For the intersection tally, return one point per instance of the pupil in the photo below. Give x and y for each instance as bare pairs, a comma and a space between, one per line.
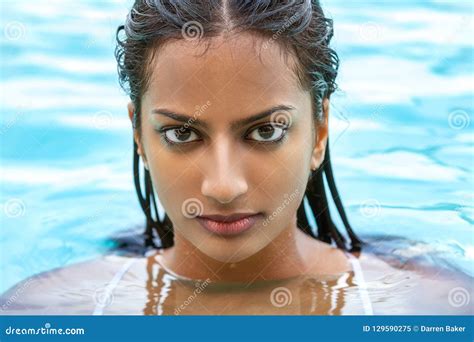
266, 131
182, 134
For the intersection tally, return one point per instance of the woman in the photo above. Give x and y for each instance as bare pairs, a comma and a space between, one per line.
230, 109
231, 123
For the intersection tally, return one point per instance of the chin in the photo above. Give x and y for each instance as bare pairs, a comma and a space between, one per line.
230, 251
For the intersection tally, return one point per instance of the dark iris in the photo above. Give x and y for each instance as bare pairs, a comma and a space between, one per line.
266, 132
182, 134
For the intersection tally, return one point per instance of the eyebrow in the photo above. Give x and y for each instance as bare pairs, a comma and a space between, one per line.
235, 124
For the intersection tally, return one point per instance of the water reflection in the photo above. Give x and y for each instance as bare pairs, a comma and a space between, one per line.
168, 294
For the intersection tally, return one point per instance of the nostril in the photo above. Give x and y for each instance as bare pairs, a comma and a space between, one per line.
224, 192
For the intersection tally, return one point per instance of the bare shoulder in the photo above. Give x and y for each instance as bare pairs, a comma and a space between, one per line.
76, 284
417, 286
445, 285
324, 259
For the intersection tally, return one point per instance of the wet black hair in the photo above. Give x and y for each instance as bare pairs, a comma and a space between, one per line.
300, 27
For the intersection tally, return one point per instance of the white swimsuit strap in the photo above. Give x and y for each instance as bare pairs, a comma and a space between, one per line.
109, 289
361, 284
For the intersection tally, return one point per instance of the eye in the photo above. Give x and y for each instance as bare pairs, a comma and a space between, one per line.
268, 133
180, 135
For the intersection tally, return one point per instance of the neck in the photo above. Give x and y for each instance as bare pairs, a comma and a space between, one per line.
281, 258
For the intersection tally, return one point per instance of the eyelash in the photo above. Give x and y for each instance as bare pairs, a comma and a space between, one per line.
162, 131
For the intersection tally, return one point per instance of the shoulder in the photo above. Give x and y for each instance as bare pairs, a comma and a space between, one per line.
325, 259
54, 290
411, 285
441, 290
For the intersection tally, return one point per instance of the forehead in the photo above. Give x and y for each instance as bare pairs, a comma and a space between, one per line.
239, 72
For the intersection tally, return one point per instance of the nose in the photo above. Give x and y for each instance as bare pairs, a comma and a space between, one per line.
224, 180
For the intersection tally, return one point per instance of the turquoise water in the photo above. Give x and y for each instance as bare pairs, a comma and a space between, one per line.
401, 131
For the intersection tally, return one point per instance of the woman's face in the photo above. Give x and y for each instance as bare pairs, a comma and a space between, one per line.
221, 160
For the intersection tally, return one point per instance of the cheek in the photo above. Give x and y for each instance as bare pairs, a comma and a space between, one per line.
284, 191
288, 168
285, 175
172, 174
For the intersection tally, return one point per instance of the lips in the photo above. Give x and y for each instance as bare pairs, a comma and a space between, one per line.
229, 225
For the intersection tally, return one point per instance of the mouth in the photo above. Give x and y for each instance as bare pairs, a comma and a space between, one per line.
229, 225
